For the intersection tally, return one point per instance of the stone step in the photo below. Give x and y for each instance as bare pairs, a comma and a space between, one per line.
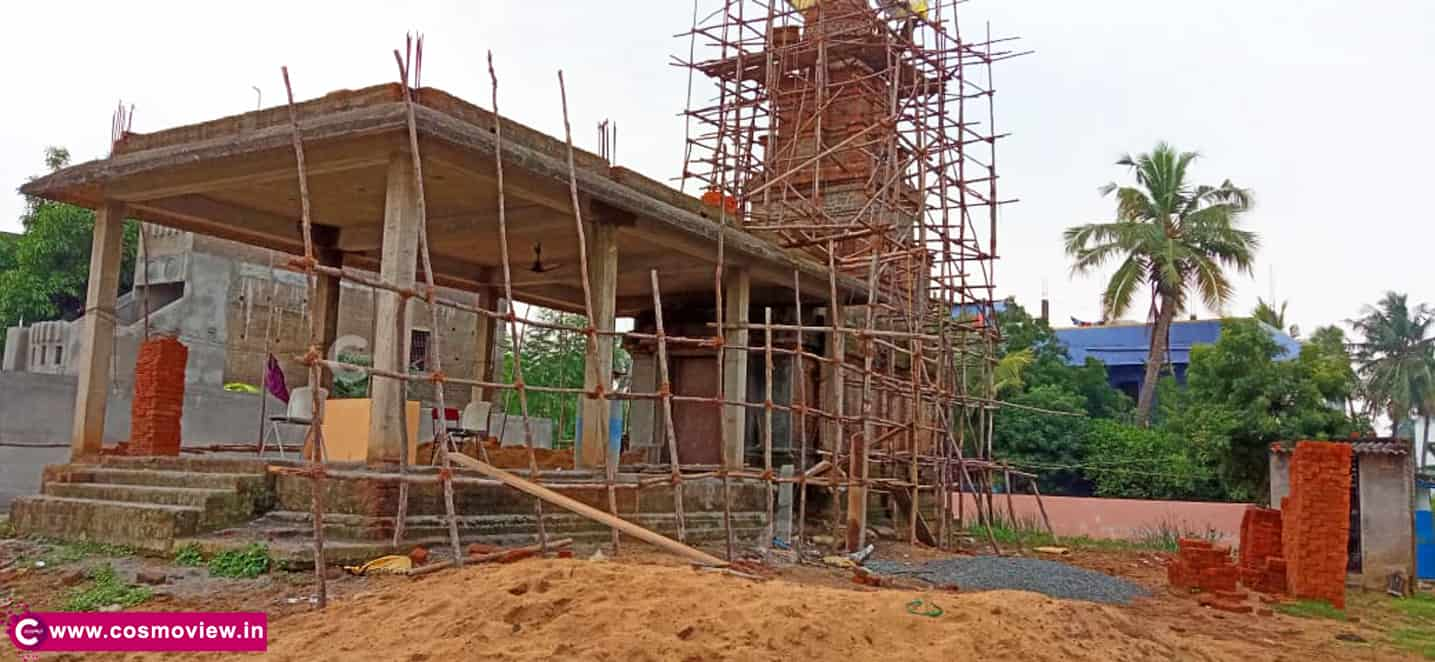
208, 463
155, 478
148, 527
495, 529
221, 507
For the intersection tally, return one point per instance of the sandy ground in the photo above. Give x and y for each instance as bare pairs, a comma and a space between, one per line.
648, 606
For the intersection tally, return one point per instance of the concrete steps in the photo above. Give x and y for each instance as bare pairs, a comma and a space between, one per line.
145, 526
145, 503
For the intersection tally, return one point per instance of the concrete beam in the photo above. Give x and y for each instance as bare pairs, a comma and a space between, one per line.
398, 265
603, 282
522, 220
97, 331
737, 300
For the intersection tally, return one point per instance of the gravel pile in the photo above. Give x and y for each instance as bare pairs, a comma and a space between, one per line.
986, 573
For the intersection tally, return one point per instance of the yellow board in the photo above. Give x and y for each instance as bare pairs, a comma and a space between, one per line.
346, 429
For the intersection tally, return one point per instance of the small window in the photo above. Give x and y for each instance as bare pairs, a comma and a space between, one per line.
418, 350
59, 355
42, 354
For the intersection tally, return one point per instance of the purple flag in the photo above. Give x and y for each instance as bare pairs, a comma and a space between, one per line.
274, 380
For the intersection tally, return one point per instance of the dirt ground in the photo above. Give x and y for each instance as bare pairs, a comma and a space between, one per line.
649, 606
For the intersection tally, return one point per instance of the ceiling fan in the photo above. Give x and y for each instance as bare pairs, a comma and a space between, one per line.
538, 265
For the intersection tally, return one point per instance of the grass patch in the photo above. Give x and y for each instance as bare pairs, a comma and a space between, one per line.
189, 556
1420, 606
1160, 537
105, 589
1418, 636
62, 552
1008, 536
1415, 640
246, 563
7, 530
1310, 609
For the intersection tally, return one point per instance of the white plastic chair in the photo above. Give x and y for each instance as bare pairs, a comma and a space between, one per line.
474, 420
300, 412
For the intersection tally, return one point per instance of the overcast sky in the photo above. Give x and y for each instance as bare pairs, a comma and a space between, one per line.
1323, 108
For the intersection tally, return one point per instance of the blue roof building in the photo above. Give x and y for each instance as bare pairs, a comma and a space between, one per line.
1123, 348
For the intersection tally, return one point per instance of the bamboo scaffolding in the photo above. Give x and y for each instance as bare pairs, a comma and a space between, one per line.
921, 229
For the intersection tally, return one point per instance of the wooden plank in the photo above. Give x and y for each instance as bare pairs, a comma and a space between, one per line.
580, 508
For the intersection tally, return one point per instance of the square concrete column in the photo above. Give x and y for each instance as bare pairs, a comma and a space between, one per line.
97, 331
398, 265
830, 398
737, 299
643, 418
326, 294
603, 283
486, 340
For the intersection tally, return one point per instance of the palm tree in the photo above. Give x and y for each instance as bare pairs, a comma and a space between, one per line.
1395, 358
1170, 237
1268, 314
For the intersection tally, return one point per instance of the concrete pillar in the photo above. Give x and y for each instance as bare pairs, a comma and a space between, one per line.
643, 414
783, 527
603, 283
398, 265
326, 294
487, 333
831, 378
97, 331
17, 349
737, 289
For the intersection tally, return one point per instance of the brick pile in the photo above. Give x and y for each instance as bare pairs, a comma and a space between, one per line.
1263, 567
1317, 521
1203, 566
159, 397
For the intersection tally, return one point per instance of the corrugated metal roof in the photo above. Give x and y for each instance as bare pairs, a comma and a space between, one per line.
1128, 344
1361, 446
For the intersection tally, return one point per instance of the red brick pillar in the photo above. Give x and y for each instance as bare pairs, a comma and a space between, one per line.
1316, 521
159, 397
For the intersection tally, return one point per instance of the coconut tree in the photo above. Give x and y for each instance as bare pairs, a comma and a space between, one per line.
1395, 359
1170, 238
1276, 317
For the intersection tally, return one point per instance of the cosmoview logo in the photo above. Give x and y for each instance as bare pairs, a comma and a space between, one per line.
26, 631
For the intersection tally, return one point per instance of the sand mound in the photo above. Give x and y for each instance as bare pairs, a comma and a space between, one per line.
576, 609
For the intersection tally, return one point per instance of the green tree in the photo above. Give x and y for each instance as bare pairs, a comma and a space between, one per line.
1049, 365
1054, 445
1240, 399
1169, 237
1143, 463
44, 272
1395, 358
552, 358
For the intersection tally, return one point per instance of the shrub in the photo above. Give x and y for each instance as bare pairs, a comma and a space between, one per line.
246, 563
